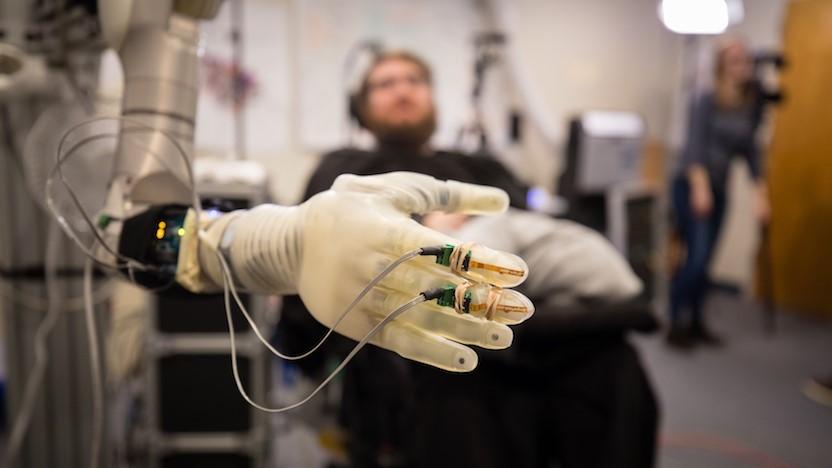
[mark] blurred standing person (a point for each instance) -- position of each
(722, 126)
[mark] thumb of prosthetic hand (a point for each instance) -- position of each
(330, 248)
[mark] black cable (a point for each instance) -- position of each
(432, 294)
(435, 251)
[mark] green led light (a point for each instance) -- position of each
(104, 221)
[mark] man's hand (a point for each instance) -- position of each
(762, 205)
(701, 201)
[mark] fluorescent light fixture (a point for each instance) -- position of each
(694, 16)
(736, 11)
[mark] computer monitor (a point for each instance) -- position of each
(604, 150)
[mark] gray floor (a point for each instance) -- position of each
(742, 405)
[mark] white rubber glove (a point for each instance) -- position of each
(330, 247)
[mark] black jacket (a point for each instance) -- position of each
(444, 165)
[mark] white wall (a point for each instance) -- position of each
(598, 54)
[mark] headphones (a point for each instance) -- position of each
(371, 50)
(354, 109)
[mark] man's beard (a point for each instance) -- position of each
(414, 134)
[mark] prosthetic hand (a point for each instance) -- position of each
(329, 248)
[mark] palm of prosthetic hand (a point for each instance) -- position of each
(353, 231)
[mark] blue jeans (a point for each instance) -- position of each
(689, 284)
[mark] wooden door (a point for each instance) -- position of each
(800, 165)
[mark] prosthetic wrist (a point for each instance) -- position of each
(262, 246)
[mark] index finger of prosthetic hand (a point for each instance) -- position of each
(477, 300)
(419, 193)
(472, 261)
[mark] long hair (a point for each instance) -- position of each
(722, 49)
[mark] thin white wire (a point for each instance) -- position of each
(378, 327)
(50, 203)
(146, 127)
(95, 368)
(392, 266)
(57, 170)
(35, 378)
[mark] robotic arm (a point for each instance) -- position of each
(338, 245)
(158, 44)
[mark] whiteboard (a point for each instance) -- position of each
(266, 57)
(296, 50)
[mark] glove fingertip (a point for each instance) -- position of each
(477, 199)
